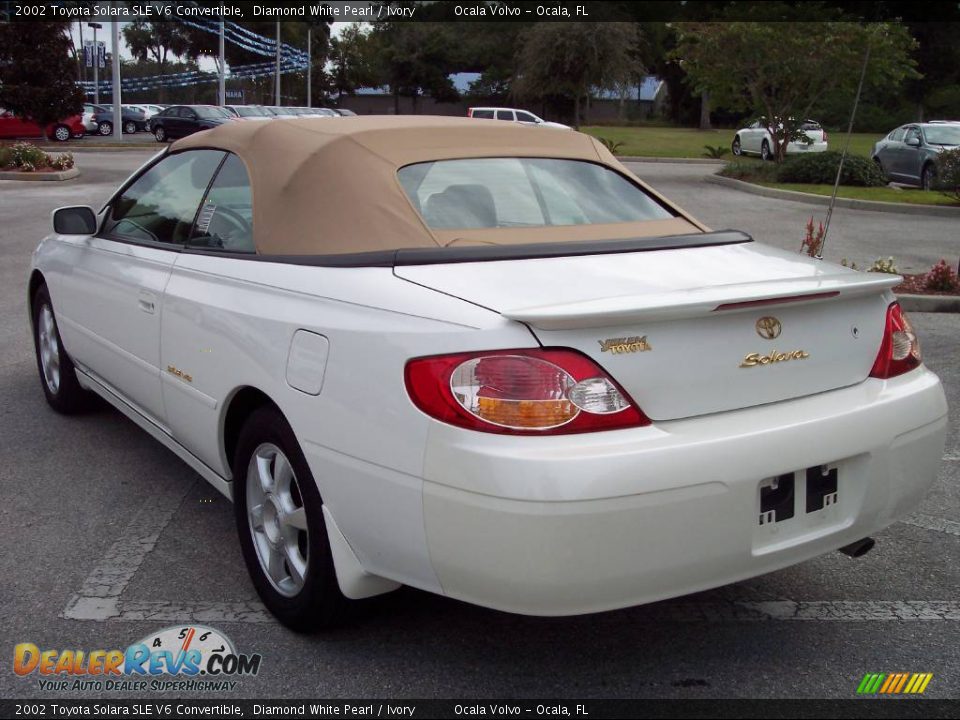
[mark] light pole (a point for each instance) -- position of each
(310, 65)
(223, 69)
(117, 110)
(277, 83)
(96, 63)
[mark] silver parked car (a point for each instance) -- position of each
(909, 154)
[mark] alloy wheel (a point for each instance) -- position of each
(49, 349)
(277, 519)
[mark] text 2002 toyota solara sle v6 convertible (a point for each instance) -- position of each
(485, 361)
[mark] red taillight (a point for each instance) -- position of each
(900, 348)
(521, 392)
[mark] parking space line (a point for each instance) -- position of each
(98, 596)
(929, 522)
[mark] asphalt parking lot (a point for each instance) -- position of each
(107, 536)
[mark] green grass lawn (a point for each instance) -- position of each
(913, 196)
(672, 142)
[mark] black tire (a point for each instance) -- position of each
(319, 603)
(928, 176)
(130, 127)
(765, 151)
(65, 396)
(735, 147)
(105, 128)
(61, 133)
(160, 134)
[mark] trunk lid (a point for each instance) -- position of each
(684, 330)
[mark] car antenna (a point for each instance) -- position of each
(843, 155)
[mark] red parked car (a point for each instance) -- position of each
(12, 126)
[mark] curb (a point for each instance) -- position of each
(679, 161)
(823, 200)
(930, 303)
(39, 176)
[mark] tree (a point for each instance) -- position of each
(352, 63)
(37, 74)
(415, 58)
(157, 41)
(780, 70)
(570, 59)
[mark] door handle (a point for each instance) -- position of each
(147, 301)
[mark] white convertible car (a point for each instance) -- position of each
(485, 361)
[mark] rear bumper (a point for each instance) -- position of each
(577, 524)
(800, 148)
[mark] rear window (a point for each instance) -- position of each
(482, 114)
(524, 192)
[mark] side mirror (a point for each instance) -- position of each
(76, 220)
(913, 142)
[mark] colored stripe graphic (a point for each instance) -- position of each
(894, 683)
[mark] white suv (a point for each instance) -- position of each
(513, 115)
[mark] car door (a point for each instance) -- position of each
(108, 290)
(187, 122)
(903, 155)
(197, 302)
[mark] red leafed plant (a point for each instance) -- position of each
(941, 277)
(813, 242)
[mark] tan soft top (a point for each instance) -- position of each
(329, 185)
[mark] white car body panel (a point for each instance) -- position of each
(752, 139)
(542, 525)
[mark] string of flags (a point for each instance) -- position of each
(291, 60)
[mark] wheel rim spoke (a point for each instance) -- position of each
(297, 566)
(297, 519)
(256, 518)
(265, 472)
(282, 475)
(276, 568)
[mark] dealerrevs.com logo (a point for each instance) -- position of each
(180, 658)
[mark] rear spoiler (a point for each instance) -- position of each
(490, 253)
(701, 301)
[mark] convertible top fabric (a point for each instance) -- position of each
(329, 185)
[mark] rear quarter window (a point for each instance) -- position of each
(524, 192)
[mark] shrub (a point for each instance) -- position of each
(24, 153)
(813, 240)
(715, 153)
(63, 161)
(881, 265)
(941, 277)
(612, 145)
(821, 169)
(6, 157)
(948, 173)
